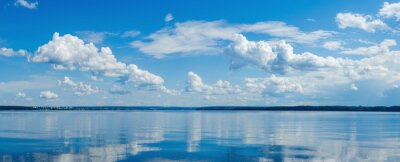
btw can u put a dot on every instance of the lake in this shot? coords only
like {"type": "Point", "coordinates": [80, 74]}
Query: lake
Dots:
{"type": "Point", "coordinates": [199, 136]}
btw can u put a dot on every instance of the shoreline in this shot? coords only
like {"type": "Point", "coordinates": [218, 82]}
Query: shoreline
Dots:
{"type": "Point", "coordinates": [211, 108]}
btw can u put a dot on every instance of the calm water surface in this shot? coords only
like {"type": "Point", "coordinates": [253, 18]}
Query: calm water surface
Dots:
{"type": "Point", "coordinates": [198, 136]}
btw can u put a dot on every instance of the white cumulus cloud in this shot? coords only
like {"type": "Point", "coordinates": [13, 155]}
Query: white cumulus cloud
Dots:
{"type": "Point", "coordinates": [195, 84]}
{"type": "Point", "coordinates": [364, 22]}
{"type": "Point", "coordinates": [71, 53]}
{"type": "Point", "coordinates": [48, 95]}
{"type": "Point", "coordinates": [80, 88]}
{"type": "Point", "coordinates": [276, 57]}
{"type": "Point", "coordinates": [390, 10]}
{"type": "Point", "coordinates": [9, 52]}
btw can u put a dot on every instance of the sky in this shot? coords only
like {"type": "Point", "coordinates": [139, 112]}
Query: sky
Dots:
{"type": "Point", "coordinates": [199, 53]}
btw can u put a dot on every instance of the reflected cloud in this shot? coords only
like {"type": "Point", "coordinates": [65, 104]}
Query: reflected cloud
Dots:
{"type": "Point", "coordinates": [199, 136]}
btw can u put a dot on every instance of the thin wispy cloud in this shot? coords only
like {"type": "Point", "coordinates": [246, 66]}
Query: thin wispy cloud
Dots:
{"type": "Point", "coordinates": [210, 35]}
{"type": "Point", "coordinates": [27, 4]}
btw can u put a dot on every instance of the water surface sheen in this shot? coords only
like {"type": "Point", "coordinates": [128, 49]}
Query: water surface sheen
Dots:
{"type": "Point", "coordinates": [198, 136]}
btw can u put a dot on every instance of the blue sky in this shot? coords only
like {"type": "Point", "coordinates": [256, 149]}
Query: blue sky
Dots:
{"type": "Point", "coordinates": [199, 53]}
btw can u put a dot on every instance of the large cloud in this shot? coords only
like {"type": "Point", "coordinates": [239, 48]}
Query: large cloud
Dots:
{"type": "Point", "coordinates": [331, 86]}
{"type": "Point", "coordinates": [333, 45]}
{"type": "Point", "coordinates": [208, 37]}
{"type": "Point", "coordinates": [279, 57]}
{"type": "Point", "coordinates": [70, 52]}
{"type": "Point", "coordinates": [309, 76]}
{"type": "Point", "coordinates": [276, 57]}
{"type": "Point", "coordinates": [390, 10]}
{"type": "Point", "coordinates": [363, 22]}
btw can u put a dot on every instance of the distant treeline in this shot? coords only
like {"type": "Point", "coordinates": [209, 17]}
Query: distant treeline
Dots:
{"type": "Point", "coordinates": [272, 108]}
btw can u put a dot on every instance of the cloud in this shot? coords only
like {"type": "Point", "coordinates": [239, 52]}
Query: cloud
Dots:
{"type": "Point", "coordinates": [211, 37]}
{"type": "Point", "coordinates": [308, 77]}
{"type": "Point", "coordinates": [130, 34]}
{"type": "Point", "coordinates": [275, 86]}
{"type": "Point", "coordinates": [353, 87]}
{"type": "Point", "coordinates": [282, 30]}
{"type": "Point", "coordinates": [93, 37]}
{"type": "Point", "coordinates": [195, 84]}
{"type": "Point", "coordinates": [67, 81]}
{"type": "Point", "coordinates": [382, 48]}
{"type": "Point", "coordinates": [9, 52]}
{"type": "Point", "coordinates": [363, 22]}
{"type": "Point", "coordinates": [276, 57]}
{"type": "Point", "coordinates": [99, 37]}
{"type": "Point", "coordinates": [363, 41]}
{"type": "Point", "coordinates": [169, 91]}
{"type": "Point", "coordinates": [333, 45]}
{"type": "Point", "coordinates": [310, 20]}
{"type": "Point", "coordinates": [71, 53]}
{"type": "Point", "coordinates": [48, 95]}
{"type": "Point", "coordinates": [329, 86]}
{"type": "Point", "coordinates": [95, 78]}
{"type": "Point", "coordinates": [390, 10]}
{"type": "Point", "coordinates": [26, 4]}
{"type": "Point", "coordinates": [21, 95]}
{"type": "Point", "coordinates": [80, 88]}
{"type": "Point", "coordinates": [118, 90]}
{"type": "Point", "coordinates": [188, 37]}
{"type": "Point", "coordinates": [168, 17]}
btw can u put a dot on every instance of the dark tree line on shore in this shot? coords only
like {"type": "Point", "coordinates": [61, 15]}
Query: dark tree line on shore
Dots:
{"type": "Point", "coordinates": [248, 108]}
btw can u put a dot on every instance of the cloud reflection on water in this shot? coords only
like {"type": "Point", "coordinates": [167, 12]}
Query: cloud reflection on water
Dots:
{"type": "Point", "coordinates": [199, 136]}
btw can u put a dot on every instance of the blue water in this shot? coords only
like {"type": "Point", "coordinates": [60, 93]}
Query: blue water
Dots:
{"type": "Point", "coordinates": [198, 136]}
